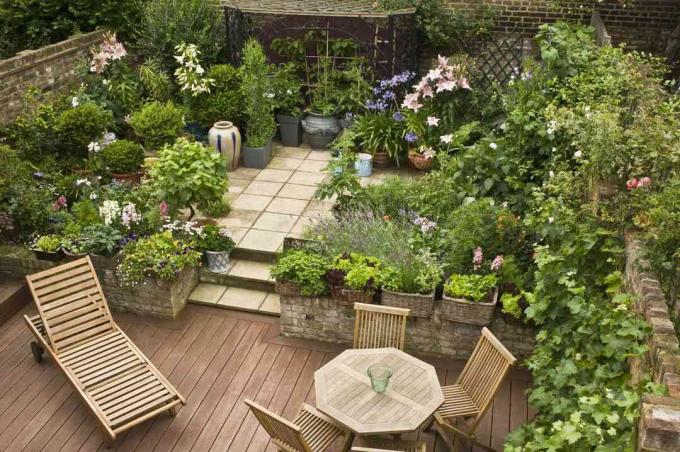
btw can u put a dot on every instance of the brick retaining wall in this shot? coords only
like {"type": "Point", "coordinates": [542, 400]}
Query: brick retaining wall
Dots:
{"type": "Point", "coordinates": [659, 426]}
{"type": "Point", "coordinates": [155, 298]}
{"type": "Point", "coordinates": [51, 69]}
{"type": "Point", "coordinates": [326, 319]}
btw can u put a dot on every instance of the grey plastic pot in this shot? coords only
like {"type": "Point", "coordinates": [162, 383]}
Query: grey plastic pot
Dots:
{"type": "Point", "coordinates": [257, 157]}
{"type": "Point", "coordinates": [291, 130]}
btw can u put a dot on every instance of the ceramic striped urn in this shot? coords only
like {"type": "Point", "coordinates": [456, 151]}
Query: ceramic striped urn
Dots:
{"type": "Point", "coordinates": [226, 139]}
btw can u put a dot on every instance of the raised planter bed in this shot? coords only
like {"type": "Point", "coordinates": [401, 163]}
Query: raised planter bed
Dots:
{"type": "Point", "coordinates": [420, 305]}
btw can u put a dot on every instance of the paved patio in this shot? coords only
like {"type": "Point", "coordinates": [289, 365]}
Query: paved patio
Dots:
{"type": "Point", "coordinates": [216, 358]}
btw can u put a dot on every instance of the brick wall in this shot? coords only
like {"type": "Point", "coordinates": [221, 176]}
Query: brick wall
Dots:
{"type": "Point", "coordinates": [50, 68]}
{"type": "Point", "coordinates": [646, 25]}
{"type": "Point", "coordinates": [326, 319]}
{"type": "Point", "coordinates": [659, 425]}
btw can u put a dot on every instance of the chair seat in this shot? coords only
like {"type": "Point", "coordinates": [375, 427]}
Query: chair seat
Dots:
{"type": "Point", "coordinates": [390, 445]}
{"type": "Point", "coordinates": [457, 403]}
{"type": "Point", "coordinates": [319, 431]}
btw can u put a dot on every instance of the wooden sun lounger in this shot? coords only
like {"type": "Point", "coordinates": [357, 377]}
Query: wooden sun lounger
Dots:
{"type": "Point", "coordinates": [117, 382]}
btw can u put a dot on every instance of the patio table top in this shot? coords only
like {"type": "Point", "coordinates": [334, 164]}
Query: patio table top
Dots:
{"type": "Point", "coordinates": [343, 392]}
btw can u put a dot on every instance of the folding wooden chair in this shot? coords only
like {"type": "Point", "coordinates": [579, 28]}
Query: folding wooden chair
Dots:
{"type": "Point", "coordinates": [474, 390]}
{"type": "Point", "coordinates": [310, 431]}
{"type": "Point", "coordinates": [115, 380]}
{"type": "Point", "coordinates": [379, 326]}
{"type": "Point", "coordinates": [387, 445]}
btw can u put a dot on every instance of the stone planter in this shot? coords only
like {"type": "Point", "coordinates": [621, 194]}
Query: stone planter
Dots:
{"type": "Point", "coordinates": [217, 261]}
{"type": "Point", "coordinates": [420, 305]}
{"type": "Point", "coordinates": [474, 313]}
{"type": "Point", "coordinates": [364, 164]}
{"type": "Point", "coordinates": [320, 130]}
{"type": "Point", "coordinates": [225, 137]}
{"type": "Point", "coordinates": [291, 129]}
{"type": "Point", "coordinates": [257, 157]}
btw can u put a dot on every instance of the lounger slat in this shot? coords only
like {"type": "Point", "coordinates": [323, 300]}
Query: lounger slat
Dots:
{"type": "Point", "coordinates": [116, 381]}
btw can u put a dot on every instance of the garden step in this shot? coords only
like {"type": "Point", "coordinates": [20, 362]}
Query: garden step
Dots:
{"type": "Point", "coordinates": [252, 254]}
{"type": "Point", "coordinates": [14, 295]}
{"type": "Point", "coordinates": [236, 298]}
{"type": "Point", "coordinates": [242, 273]}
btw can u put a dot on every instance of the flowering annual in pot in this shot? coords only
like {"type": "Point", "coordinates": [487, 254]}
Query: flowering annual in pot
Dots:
{"type": "Point", "coordinates": [302, 271]}
{"type": "Point", "coordinates": [159, 255]}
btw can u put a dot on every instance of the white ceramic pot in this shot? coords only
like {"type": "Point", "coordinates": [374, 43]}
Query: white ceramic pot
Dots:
{"type": "Point", "coordinates": [217, 261]}
{"type": "Point", "coordinates": [225, 137]}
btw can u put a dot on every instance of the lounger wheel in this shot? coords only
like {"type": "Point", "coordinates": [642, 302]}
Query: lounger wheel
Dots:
{"type": "Point", "coordinates": [37, 351]}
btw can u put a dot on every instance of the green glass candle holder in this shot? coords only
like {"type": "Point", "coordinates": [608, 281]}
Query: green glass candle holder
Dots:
{"type": "Point", "coordinates": [380, 376]}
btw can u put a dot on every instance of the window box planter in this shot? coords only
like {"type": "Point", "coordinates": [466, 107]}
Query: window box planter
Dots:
{"type": "Point", "coordinates": [420, 305]}
{"type": "Point", "coordinates": [52, 256]}
{"type": "Point", "coordinates": [463, 311]}
{"type": "Point", "coordinates": [288, 288]}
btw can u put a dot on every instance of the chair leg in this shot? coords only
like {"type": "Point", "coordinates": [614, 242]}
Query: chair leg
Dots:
{"type": "Point", "coordinates": [37, 351]}
{"type": "Point", "coordinates": [347, 443]}
{"type": "Point", "coordinates": [173, 411]}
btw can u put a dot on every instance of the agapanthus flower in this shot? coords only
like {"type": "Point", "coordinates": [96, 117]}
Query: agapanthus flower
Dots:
{"type": "Point", "coordinates": [477, 258]}
{"type": "Point", "coordinates": [397, 116]}
{"type": "Point", "coordinates": [411, 137]}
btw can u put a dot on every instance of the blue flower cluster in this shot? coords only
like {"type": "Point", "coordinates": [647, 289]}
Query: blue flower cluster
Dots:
{"type": "Point", "coordinates": [384, 93]}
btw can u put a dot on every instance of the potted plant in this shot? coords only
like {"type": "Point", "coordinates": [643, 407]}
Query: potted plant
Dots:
{"type": "Point", "coordinates": [470, 299]}
{"type": "Point", "coordinates": [354, 278]}
{"type": "Point", "coordinates": [320, 124]}
{"type": "Point", "coordinates": [300, 272]}
{"type": "Point", "coordinates": [216, 244]}
{"type": "Point", "coordinates": [412, 285]}
{"type": "Point", "coordinates": [98, 239]}
{"type": "Point", "coordinates": [47, 247]}
{"type": "Point", "coordinates": [123, 159]}
{"type": "Point", "coordinates": [260, 123]}
{"type": "Point", "coordinates": [382, 136]}
{"type": "Point", "coordinates": [157, 124]}
{"type": "Point", "coordinates": [422, 157]}
{"type": "Point", "coordinates": [287, 101]}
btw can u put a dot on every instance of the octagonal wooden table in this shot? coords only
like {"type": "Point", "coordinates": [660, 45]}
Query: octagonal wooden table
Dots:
{"type": "Point", "coordinates": [343, 392]}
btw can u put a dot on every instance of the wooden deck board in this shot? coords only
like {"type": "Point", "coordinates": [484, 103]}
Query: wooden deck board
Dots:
{"type": "Point", "coordinates": [216, 358]}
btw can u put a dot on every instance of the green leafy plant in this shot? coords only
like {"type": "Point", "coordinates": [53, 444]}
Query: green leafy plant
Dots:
{"type": "Point", "coordinates": [343, 185]}
{"type": "Point", "coordinates": [157, 124]}
{"type": "Point", "coordinates": [420, 274]}
{"type": "Point", "coordinates": [359, 272]}
{"type": "Point", "coordinates": [85, 213]}
{"type": "Point", "coordinates": [49, 243]}
{"type": "Point", "coordinates": [159, 255]}
{"type": "Point", "coordinates": [305, 268]}
{"type": "Point", "coordinates": [77, 127]}
{"type": "Point", "coordinates": [470, 287]}
{"type": "Point", "coordinates": [380, 132]}
{"type": "Point", "coordinates": [188, 174]}
{"type": "Point", "coordinates": [121, 156]}
{"type": "Point", "coordinates": [98, 239]}
{"type": "Point", "coordinates": [260, 125]}
{"type": "Point", "coordinates": [214, 238]}
{"type": "Point", "coordinates": [287, 90]}
{"type": "Point", "coordinates": [225, 100]}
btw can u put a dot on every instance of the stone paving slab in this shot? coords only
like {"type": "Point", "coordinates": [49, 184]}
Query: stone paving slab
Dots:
{"type": "Point", "coordinates": [207, 293]}
{"type": "Point", "coordinates": [287, 205]}
{"type": "Point", "coordinates": [242, 299]}
{"type": "Point", "coordinates": [251, 270]}
{"type": "Point", "coordinates": [277, 222]}
{"type": "Point", "coordinates": [268, 241]}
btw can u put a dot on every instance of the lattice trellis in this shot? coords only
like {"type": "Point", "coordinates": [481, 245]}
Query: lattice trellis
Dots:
{"type": "Point", "coordinates": [499, 58]}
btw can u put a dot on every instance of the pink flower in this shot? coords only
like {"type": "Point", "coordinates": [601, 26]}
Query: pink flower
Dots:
{"type": "Point", "coordinates": [645, 182]}
{"type": "Point", "coordinates": [497, 263]}
{"type": "Point", "coordinates": [445, 85]}
{"type": "Point", "coordinates": [477, 258]}
{"type": "Point", "coordinates": [442, 61]}
{"type": "Point", "coordinates": [463, 82]}
{"type": "Point", "coordinates": [434, 74]}
{"type": "Point", "coordinates": [631, 184]}
{"type": "Point", "coordinates": [60, 203]}
{"type": "Point", "coordinates": [411, 102]}
{"type": "Point", "coordinates": [432, 121]}
{"type": "Point", "coordinates": [163, 209]}
{"type": "Point", "coordinates": [427, 91]}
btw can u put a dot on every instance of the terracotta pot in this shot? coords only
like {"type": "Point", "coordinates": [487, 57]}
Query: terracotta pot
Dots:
{"type": "Point", "coordinates": [382, 160]}
{"type": "Point", "coordinates": [126, 178]}
{"type": "Point", "coordinates": [226, 139]}
{"type": "Point", "coordinates": [419, 162]}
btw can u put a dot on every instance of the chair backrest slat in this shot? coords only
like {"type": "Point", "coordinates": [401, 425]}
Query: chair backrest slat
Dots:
{"type": "Point", "coordinates": [282, 432]}
{"type": "Point", "coordinates": [71, 303]}
{"type": "Point", "coordinates": [379, 326]}
{"type": "Point", "coordinates": [485, 371]}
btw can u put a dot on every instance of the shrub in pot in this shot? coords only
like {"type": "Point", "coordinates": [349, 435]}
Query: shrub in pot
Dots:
{"type": "Point", "coordinates": [187, 174]}
{"type": "Point", "coordinates": [216, 244]}
{"type": "Point", "coordinates": [157, 124]}
{"type": "Point", "coordinates": [411, 284]}
{"type": "Point", "coordinates": [77, 127]}
{"type": "Point", "coordinates": [47, 247]}
{"type": "Point", "coordinates": [260, 123]}
{"type": "Point", "coordinates": [382, 136]}
{"type": "Point", "coordinates": [470, 298]}
{"type": "Point", "coordinates": [287, 102]}
{"type": "Point", "coordinates": [122, 159]}
{"type": "Point", "coordinates": [300, 272]}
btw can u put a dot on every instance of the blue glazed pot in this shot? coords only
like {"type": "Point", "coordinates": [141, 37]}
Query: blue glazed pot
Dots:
{"type": "Point", "coordinates": [364, 164]}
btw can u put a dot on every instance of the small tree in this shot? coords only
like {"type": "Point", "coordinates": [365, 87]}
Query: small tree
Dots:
{"type": "Point", "coordinates": [188, 173]}
{"type": "Point", "coordinates": [260, 125]}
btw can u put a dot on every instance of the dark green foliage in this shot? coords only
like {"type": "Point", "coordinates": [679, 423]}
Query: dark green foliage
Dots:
{"type": "Point", "coordinates": [225, 100]}
{"type": "Point", "coordinates": [157, 124]}
{"type": "Point", "coordinates": [305, 268]}
{"type": "Point", "coordinates": [77, 127]}
{"type": "Point", "coordinates": [121, 156]}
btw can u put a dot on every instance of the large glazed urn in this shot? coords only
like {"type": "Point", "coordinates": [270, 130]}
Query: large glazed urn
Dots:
{"type": "Point", "coordinates": [225, 137]}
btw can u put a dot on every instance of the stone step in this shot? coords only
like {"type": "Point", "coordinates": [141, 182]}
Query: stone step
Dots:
{"type": "Point", "coordinates": [236, 298]}
{"type": "Point", "coordinates": [242, 273]}
{"type": "Point", "coordinates": [14, 295]}
{"type": "Point", "coordinates": [254, 255]}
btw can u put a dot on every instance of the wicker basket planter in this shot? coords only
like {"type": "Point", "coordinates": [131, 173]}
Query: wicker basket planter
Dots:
{"type": "Point", "coordinates": [464, 311]}
{"type": "Point", "coordinates": [287, 288]}
{"type": "Point", "coordinates": [349, 296]}
{"type": "Point", "coordinates": [420, 162]}
{"type": "Point", "coordinates": [420, 305]}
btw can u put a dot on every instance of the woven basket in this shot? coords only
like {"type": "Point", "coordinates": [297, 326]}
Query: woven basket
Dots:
{"type": "Point", "coordinates": [464, 311]}
{"type": "Point", "coordinates": [419, 162]}
{"type": "Point", "coordinates": [287, 288]}
{"type": "Point", "coordinates": [349, 297]}
{"type": "Point", "coordinates": [420, 305]}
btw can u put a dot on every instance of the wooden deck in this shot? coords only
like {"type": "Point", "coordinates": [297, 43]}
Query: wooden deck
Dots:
{"type": "Point", "coordinates": [215, 358]}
